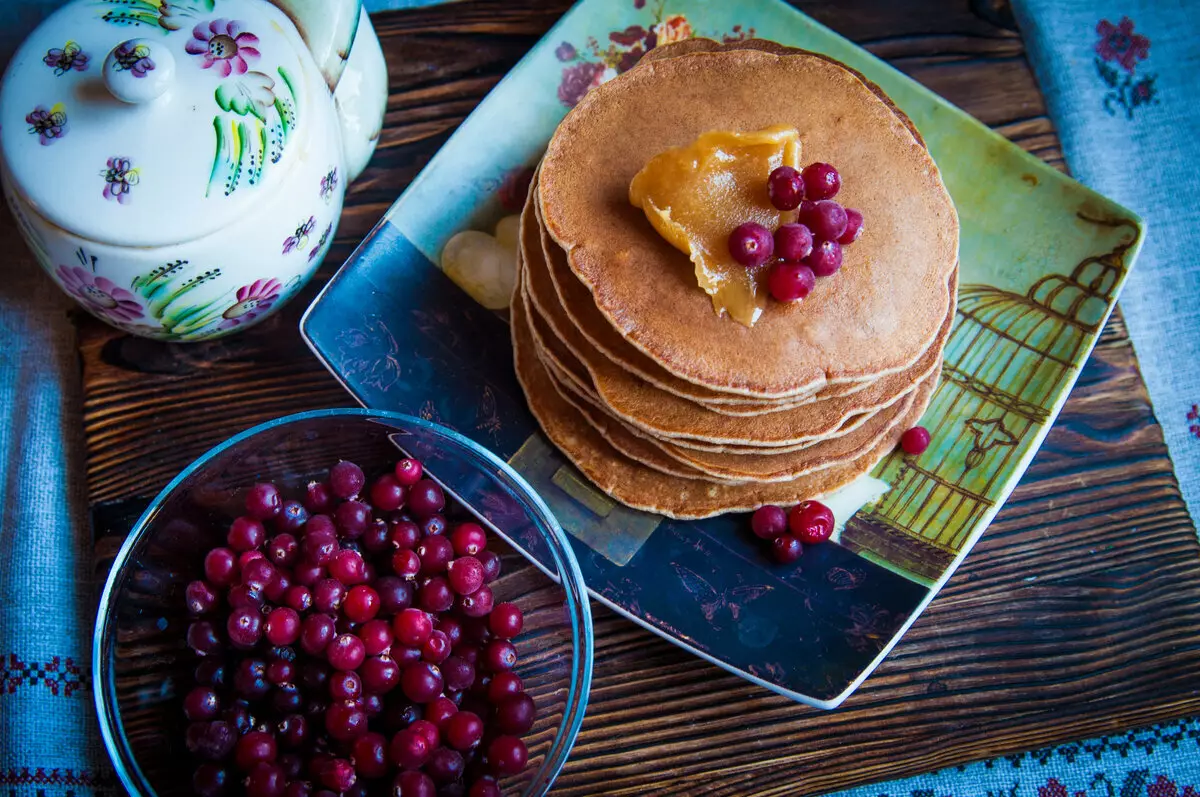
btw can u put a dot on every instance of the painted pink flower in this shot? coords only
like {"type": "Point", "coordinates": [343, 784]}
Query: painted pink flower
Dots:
{"type": "Point", "coordinates": [514, 188]}
{"type": "Point", "coordinates": [673, 29]}
{"type": "Point", "coordinates": [253, 300]}
{"type": "Point", "coordinates": [1119, 43]}
{"type": "Point", "coordinates": [100, 295]}
{"type": "Point", "coordinates": [222, 43]}
{"type": "Point", "coordinates": [581, 78]}
{"type": "Point", "coordinates": [119, 178]}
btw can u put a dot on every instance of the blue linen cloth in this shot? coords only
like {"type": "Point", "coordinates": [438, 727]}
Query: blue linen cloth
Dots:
{"type": "Point", "coordinates": [1118, 80]}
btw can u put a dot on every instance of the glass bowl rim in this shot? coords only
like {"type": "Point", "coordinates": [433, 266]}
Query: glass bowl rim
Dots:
{"type": "Point", "coordinates": [112, 730]}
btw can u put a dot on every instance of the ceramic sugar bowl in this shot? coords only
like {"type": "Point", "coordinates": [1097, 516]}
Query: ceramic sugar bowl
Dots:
{"type": "Point", "coordinates": [178, 166]}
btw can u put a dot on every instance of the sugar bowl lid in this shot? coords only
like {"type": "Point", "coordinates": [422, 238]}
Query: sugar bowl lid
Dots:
{"type": "Point", "coordinates": [148, 122]}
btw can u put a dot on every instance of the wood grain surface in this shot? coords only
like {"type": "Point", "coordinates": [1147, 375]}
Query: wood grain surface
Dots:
{"type": "Point", "coordinates": [1077, 614]}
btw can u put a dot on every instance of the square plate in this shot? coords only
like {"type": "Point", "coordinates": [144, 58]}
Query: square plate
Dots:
{"type": "Point", "coordinates": [1043, 259]}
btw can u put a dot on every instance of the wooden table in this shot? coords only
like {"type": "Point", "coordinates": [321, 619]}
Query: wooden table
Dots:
{"type": "Point", "coordinates": [1078, 613]}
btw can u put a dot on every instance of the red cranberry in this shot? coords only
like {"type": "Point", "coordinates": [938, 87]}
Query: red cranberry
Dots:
{"type": "Point", "coordinates": [507, 755]}
{"type": "Point", "coordinates": [258, 574]}
{"type": "Point", "coordinates": [377, 537]}
{"type": "Point", "coordinates": [266, 780]}
{"type": "Point", "coordinates": [445, 765]}
{"type": "Point", "coordinates": [499, 655]}
{"type": "Point", "coordinates": [433, 526]}
{"type": "Point", "coordinates": [915, 440]}
{"type": "Point", "coordinates": [202, 638]}
{"type": "Point", "coordinates": [282, 626]}
{"type": "Point", "coordinates": [811, 522]}
{"type": "Point", "coordinates": [793, 242]}
{"type": "Point", "coordinates": [245, 597]}
{"type": "Point", "coordinates": [435, 595]}
{"type": "Point", "coordinates": [239, 718]}
{"type": "Point", "coordinates": [298, 788]}
{"type": "Point", "coordinates": [477, 629]}
{"type": "Point", "coordinates": [210, 672]}
{"type": "Point", "coordinates": [515, 714]}
{"type": "Point", "coordinates": [328, 595]}
{"type": "Point", "coordinates": [409, 749]}
{"type": "Point", "coordinates": [380, 675]}
{"type": "Point", "coordinates": [435, 553]}
{"type": "Point", "coordinates": [320, 526]}
{"type": "Point", "coordinates": [352, 518]}
{"type": "Point", "coordinates": [768, 522]}
{"type": "Point", "coordinates": [319, 548]}
{"type": "Point", "coordinates": [436, 648]}
{"type": "Point", "coordinates": [465, 575]}
{"type": "Point", "coordinates": [256, 747]}
{"type": "Point", "coordinates": [372, 704]}
{"type": "Point", "coordinates": [293, 730]}
{"type": "Point", "coordinates": [376, 636]}
{"type": "Point", "coordinates": [387, 493]}
{"type": "Point", "coordinates": [201, 703]}
{"type": "Point", "coordinates": [211, 740]}
{"type": "Point", "coordinates": [298, 598]}
{"type": "Point", "coordinates": [785, 186]}
{"type": "Point", "coordinates": [346, 479]}
{"type": "Point", "coordinates": [821, 181]}
{"type": "Point", "coordinates": [412, 627]}
{"type": "Point", "coordinates": [828, 220]}
{"type": "Point", "coordinates": [348, 567]}
{"type": "Point", "coordinates": [277, 587]}
{"type": "Point", "coordinates": [346, 652]}
{"type": "Point", "coordinates": [412, 783]}
{"type": "Point", "coordinates": [250, 679]}
{"type": "Point", "coordinates": [345, 686]}
{"type": "Point", "coordinates": [478, 603]}
{"type": "Point", "coordinates": [426, 498]}
{"type": "Point", "coordinates": [408, 472]}
{"type": "Point", "coordinates": [406, 564]}
{"type": "Point", "coordinates": [318, 497]}
{"type": "Point", "coordinates": [344, 720]}
{"type": "Point", "coordinates": [220, 567]}
{"type": "Point", "coordinates": [361, 604]}
{"type": "Point", "coordinates": [504, 684]}
{"type": "Point", "coordinates": [370, 755]}
{"type": "Point", "coordinates": [421, 682]}
{"type": "Point", "coordinates": [244, 628]}
{"type": "Point", "coordinates": [491, 565]}
{"type": "Point", "coordinates": [451, 627]}
{"type": "Point", "coordinates": [468, 539]}
{"type": "Point", "coordinates": [337, 775]}
{"type": "Point", "coordinates": [506, 620]}
{"type": "Point", "coordinates": [307, 575]}
{"type": "Point", "coordinates": [463, 730]}
{"type": "Point", "coordinates": [314, 675]}
{"type": "Point", "coordinates": [790, 282]}
{"type": "Point", "coordinates": [404, 534]}
{"type": "Point", "coordinates": [316, 632]}
{"type": "Point", "coordinates": [246, 557]}
{"type": "Point", "coordinates": [439, 710]}
{"type": "Point", "coordinates": [485, 787]}
{"type": "Point", "coordinates": [786, 549]}
{"type": "Point", "coordinates": [751, 244]}
{"type": "Point", "coordinates": [283, 550]}
{"type": "Point", "coordinates": [428, 730]}
{"type": "Point", "coordinates": [286, 699]}
{"type": "Point", "coordinates": [395, 595]}
{"type": "Point", "coordinates": [263, 501]}
{"type": "Point", "coordinates": [210, 780]}
{"type": "Point", "coordinates": [405, 655]}
{"type": "Point", "coordinates": [201, 598]}
{"type": "Point", "coordinates": [826, 258]}
{"type": "Point", "coordinates": [292, 517]}
{"type": "Point", "coordinates": [854, 227]}
{"type": "Point", "coordinates": [280, 672]}
{"type": "Point", "coordinates": [458, 672]}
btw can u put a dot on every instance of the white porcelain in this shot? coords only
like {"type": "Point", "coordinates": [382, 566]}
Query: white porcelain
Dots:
{"type": "Point", "coordinates": [179, 168]}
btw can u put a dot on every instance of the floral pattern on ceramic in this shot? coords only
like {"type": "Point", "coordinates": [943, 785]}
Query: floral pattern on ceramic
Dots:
{"type": "Point", "coordinates": [299, 239]}
{"type": "Point", "coordinates": [119, 178]}
{"type": "Point", "coordinates": [253, 300]}
{"type": "Point", "coordinates": [224, 45]}
{"type": "Point", "coordinates": [99, 294]}
{"type": "Point", "coordinates": [48, 124]}
{"type": "Point", "coordinates": [170, 15]}
{"type": "Point", "coordinates": [133, 58]}
{"type": "Point", "coordinates": [66, 58]}
{"type": "Point", "coordinates": [316, 250]}
{"type": "Point", "coordinates": [259, 120]}
{"type": "Point", "coordinates": [601, 62]}
{"type": "Point", "coordinates": [329, 184]}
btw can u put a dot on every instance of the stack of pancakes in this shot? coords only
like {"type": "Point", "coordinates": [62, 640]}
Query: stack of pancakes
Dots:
{"type": "Point", "coordinates": [662, 403]}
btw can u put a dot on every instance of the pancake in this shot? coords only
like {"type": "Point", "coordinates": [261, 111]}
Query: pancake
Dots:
{"type": "Point", "coordinates": [642, 488]}
{"type": "Point", "coordinates": [877, 316]}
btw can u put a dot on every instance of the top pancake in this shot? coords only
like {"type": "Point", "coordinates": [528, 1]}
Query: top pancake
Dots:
{"type": "Point", "coordinates": [876, 316]}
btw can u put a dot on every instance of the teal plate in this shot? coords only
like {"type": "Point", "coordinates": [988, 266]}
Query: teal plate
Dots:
{"type": "Point", "coordinates": [1042, 262]}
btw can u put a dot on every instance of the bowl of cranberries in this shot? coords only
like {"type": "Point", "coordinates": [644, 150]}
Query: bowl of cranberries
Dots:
{"type": "Point", "coordinates": [332, 604]}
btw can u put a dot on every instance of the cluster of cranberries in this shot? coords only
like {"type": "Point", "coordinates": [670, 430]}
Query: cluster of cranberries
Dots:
{"type": "Point", "coordinates": [811, 246]}
{"type": "Point", "coordinates": [349, 644]}
{"type": "Point", "coordinates": [788, 532]}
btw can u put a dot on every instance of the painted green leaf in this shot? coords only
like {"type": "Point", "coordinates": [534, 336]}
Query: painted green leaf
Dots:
{"type": "Point", "coordinates": [252, 93]}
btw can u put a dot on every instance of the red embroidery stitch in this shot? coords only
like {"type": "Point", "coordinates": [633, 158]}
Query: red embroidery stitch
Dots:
{"type": "Point", "coordinates": [61, 676]}
{"type": "Point", "coordinates": [1119, 44]}
{"type": "Point", "coordinates": [52, 777]}
{"type": "Point", "coordinates": [1194, 416]}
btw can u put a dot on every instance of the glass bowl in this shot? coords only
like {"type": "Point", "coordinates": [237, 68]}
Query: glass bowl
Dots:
{"type": "Point", "coordinates": [142, 666]}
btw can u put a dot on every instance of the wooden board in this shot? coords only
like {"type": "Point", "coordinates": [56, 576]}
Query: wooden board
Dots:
{"type": "Point", "coordinates": [1077, 614]}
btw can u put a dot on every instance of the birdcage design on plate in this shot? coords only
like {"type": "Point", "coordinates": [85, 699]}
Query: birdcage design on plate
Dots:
{"type": "Point", "coordinates": [1005, 364]}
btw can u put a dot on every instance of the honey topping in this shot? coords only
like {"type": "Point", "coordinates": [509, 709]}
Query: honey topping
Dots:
{"type": "Point", "coordinates": [695, 195]}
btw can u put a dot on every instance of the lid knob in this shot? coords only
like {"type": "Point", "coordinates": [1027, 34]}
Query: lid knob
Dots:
{"type": "Point", "coordinates": [139, 70]}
